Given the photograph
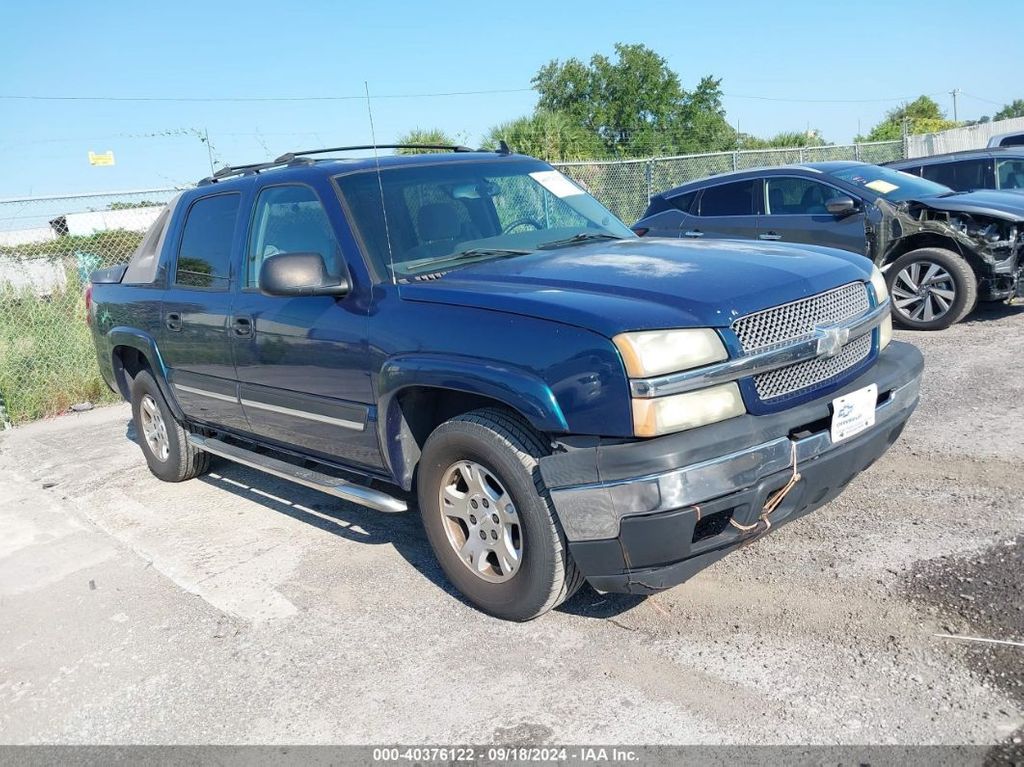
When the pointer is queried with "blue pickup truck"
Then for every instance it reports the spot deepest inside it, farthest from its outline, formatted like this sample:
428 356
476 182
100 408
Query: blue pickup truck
564 401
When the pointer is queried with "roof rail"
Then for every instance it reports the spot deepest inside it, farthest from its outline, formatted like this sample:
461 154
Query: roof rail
290 156
240 170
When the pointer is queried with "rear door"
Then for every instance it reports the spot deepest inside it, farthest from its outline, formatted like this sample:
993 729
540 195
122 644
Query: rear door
303 362
723 211
193 338
795 212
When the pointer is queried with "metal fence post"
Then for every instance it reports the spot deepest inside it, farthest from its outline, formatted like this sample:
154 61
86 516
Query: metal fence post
801 155
648 174
856 152
735 161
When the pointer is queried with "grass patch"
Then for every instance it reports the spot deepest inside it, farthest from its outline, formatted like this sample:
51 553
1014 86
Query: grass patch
47 357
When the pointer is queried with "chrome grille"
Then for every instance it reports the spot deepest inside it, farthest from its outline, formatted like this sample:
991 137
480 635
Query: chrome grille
816 372
793 321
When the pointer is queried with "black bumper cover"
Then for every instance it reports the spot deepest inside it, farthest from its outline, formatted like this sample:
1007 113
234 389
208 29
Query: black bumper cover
657 551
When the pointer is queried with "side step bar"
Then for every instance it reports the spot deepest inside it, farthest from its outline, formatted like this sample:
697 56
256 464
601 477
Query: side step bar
325 483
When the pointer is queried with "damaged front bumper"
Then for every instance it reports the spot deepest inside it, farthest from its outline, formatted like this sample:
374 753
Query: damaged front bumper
645 516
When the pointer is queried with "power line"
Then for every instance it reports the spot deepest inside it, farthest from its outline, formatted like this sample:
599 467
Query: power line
257 99
824 101
979 98
210 99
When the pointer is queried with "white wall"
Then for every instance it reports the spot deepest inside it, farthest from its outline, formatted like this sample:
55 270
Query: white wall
959 139
132 219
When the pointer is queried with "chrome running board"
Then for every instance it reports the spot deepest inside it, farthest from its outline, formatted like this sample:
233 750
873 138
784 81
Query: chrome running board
339 488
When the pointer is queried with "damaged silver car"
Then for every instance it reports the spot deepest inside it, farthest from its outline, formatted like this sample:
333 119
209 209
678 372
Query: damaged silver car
941 251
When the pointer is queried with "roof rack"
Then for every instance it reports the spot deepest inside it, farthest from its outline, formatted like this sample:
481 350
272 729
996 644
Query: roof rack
240 170
290 156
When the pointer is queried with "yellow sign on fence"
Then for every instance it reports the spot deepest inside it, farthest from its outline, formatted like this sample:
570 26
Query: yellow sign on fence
107 158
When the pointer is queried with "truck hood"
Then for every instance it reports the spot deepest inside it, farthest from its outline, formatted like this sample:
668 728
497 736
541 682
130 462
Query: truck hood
986 202
637 284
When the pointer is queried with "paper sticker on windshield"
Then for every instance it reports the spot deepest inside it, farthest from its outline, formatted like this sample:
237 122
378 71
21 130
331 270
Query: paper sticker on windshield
556 183
882 187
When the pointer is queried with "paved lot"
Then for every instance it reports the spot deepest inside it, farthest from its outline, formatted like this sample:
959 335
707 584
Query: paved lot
241 609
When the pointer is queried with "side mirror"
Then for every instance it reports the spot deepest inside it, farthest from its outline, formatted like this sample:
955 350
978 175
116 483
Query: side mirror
841 206
299 274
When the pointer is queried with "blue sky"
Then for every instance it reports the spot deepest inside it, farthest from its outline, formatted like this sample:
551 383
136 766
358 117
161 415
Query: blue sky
863 52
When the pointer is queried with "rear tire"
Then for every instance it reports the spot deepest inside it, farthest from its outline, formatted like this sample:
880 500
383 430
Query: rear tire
931 289
506 552
162 439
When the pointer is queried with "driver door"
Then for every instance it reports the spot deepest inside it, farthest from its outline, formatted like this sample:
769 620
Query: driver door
795 212
303 361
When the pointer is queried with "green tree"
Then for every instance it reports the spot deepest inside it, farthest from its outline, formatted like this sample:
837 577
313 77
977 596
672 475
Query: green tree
435 136
923 115
781 140
551 136
635 103
1014 109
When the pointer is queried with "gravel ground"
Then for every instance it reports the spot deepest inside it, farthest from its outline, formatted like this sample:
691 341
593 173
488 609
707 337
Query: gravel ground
240 609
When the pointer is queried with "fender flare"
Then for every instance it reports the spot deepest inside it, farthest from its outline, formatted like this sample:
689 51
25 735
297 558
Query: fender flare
146 345
524 392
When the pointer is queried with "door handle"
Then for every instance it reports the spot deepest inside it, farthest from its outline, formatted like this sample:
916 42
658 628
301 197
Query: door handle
173 321
693 233
243 326
769 236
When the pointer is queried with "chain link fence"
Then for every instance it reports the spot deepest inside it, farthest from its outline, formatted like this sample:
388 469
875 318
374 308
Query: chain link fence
49 246
625 186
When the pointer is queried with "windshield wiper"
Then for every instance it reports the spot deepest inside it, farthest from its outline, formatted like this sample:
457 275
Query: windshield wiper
462 255
578 238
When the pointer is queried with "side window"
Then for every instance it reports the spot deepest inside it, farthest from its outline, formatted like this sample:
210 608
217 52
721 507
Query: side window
683 202
204 257
736 199
289 219
1010 174
966 174
797 196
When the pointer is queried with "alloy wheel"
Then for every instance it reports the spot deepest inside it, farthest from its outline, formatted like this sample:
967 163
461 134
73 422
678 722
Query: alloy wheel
481 521
923 291
154 429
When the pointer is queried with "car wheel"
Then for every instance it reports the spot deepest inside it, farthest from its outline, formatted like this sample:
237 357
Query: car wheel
488 516
164 442
931 289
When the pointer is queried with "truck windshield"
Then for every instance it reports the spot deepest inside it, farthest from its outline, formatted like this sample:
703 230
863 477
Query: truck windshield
893 185
447 214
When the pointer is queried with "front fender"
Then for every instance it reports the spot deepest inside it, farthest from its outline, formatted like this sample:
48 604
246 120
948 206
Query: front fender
524 392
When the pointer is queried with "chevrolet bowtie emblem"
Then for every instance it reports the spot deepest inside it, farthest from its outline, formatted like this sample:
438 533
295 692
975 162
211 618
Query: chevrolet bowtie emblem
831 340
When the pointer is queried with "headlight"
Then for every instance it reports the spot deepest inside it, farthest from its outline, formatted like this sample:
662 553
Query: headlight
654 352
878 284
881 294
662 415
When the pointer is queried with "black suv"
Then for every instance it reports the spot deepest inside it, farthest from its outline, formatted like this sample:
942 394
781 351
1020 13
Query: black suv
995 168
941 251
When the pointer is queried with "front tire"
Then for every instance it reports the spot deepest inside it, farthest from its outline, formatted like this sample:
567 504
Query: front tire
488 517
162 439
931 289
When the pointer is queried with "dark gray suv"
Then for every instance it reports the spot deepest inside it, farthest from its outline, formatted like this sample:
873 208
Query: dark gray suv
941 251
995 168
